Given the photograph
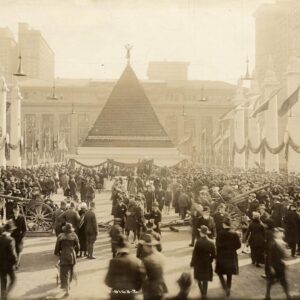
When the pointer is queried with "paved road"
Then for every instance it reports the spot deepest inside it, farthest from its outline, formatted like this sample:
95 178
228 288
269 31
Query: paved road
37 274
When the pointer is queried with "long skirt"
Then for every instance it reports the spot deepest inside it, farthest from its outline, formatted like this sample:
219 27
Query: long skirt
66 275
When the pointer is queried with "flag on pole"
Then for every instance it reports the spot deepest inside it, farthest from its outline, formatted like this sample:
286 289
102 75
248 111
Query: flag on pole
264 106
289 103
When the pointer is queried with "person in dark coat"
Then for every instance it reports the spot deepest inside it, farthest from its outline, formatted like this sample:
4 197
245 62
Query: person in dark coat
227 243
219 217
81 230
91 230
156 216
277 212
119 211
154 286
19 232
125 273
202 258
184 202
277 254
73 188
207 220
291 228
150 198
72 216
115 234
256 238
58 218
8 259
66 248
196 213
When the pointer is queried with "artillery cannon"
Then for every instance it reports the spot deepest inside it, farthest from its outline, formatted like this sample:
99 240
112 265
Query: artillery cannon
38 213
232 209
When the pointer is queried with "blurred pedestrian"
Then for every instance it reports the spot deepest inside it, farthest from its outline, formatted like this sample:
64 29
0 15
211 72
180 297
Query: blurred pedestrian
203 255
8 259
227 243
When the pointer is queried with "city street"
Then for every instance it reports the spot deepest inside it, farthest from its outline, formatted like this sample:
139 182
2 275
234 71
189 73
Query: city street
36 277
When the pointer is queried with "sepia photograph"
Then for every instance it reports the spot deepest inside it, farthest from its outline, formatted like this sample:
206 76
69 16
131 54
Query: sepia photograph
149 149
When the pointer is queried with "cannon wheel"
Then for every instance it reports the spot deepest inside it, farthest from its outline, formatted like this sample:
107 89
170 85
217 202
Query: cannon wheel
39 217
235 215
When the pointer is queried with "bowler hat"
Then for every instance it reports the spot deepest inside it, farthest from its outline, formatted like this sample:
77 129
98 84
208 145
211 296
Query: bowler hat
148 240
185 280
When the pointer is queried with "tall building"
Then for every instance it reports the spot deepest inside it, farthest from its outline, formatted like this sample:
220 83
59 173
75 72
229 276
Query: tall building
277 28
37 56
8 53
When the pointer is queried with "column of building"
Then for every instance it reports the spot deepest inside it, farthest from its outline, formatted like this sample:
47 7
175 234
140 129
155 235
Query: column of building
239 127
3 99
15 127
293 122
270 85
253 125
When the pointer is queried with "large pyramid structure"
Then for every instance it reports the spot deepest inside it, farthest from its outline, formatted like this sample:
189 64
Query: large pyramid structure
127 129
128 118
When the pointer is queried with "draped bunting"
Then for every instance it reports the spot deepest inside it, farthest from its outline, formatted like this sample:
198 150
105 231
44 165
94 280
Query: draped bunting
264 145
112 162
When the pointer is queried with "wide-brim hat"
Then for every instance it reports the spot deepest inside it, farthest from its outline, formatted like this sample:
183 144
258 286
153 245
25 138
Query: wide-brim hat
155 204
68 228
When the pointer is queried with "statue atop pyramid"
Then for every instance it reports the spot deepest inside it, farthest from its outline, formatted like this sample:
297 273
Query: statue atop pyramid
128 129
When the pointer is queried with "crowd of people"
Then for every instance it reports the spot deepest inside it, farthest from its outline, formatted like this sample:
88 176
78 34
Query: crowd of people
265 219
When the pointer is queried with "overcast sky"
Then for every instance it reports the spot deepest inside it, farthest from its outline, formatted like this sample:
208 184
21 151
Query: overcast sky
88 37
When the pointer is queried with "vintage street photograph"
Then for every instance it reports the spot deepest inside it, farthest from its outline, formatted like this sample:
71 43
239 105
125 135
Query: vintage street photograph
149 149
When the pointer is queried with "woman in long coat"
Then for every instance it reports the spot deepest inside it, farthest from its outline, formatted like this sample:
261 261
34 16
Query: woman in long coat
81 230
203 256
256 238
227 243
66 248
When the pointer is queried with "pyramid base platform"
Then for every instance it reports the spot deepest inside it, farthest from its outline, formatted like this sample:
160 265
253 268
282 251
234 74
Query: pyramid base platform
91 156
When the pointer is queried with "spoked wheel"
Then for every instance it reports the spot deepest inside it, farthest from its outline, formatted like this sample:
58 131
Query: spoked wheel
39 217
235 215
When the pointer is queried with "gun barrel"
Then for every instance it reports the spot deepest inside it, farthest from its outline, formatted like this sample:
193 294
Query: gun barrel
239 198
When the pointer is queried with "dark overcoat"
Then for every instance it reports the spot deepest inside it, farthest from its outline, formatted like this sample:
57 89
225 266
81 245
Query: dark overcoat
202 258
256 234
154 285
227 243
8 256
125 272
90 223
291 227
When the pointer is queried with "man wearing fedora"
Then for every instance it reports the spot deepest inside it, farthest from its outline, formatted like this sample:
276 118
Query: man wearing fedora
203 255
8 259
91 230
227 243
67 247
125 273
154 286
19 232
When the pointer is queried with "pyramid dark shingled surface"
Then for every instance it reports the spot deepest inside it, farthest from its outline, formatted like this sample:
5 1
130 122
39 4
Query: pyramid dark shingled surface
128 118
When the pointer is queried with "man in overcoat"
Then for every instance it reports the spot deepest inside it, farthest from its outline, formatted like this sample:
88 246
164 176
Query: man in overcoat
8 258
202 258
227 244
125 274
91 230
154 286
